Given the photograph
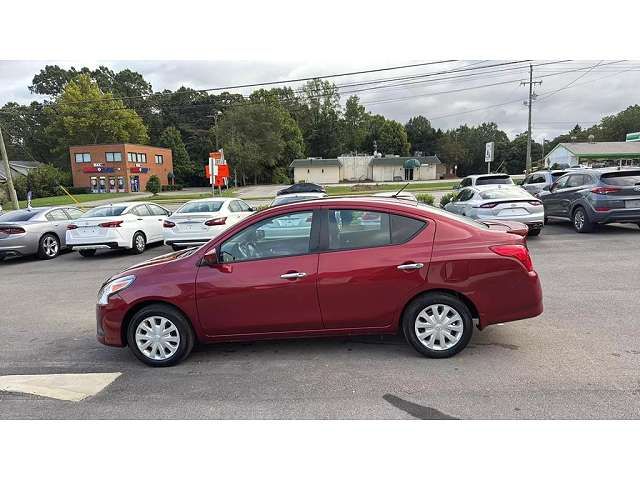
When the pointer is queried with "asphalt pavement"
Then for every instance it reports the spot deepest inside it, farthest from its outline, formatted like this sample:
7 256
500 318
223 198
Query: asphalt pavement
580 359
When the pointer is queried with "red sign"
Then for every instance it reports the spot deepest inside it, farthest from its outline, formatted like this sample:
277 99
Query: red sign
97 169
138 169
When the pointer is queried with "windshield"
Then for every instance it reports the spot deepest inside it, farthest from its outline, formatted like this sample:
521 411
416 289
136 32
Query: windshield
501 193
18 216
622 178
107 211
201 207
495 180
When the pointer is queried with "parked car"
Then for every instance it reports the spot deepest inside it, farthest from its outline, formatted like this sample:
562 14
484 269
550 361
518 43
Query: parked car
302 187
536 182
296 197
35 231
594 196
495 202
198 221
130 226
485 179
313 269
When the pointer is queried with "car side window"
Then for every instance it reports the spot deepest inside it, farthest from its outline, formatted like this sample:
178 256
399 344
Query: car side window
244 207
141 211
358 229
465 182
279 236
73 213
56 215
587 180
234 206
465 195
574 181
537 178
156 210
404 228
562 182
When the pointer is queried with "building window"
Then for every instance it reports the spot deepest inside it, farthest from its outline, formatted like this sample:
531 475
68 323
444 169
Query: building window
142 157
131 157
83 158
134 157
159 160
113 157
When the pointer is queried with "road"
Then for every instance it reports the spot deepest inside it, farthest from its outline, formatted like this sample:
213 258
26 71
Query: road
580 359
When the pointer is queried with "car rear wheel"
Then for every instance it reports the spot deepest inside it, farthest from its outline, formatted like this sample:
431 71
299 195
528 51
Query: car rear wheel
139 243
160 336
437 325
88 252
49 247
581 221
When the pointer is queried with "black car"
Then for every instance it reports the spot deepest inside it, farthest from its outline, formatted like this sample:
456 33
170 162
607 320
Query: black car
302 188
589 197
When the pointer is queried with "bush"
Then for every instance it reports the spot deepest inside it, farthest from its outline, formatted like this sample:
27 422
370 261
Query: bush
153 184
171 188
425 198
280 175
446 198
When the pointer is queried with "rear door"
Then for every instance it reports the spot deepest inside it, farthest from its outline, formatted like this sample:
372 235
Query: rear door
239 211
371 263
58 223
570 193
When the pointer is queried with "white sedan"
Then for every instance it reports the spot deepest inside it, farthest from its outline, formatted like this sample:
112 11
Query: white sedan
130 226
198 221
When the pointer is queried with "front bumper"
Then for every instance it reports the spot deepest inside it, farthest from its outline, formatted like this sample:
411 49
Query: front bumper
110 320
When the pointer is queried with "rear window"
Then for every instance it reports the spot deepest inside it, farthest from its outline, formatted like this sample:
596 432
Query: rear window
201 207
622 178
18 216
501 193
404 228
495 180
108 211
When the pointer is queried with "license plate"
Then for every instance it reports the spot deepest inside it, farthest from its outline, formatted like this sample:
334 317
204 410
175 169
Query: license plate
508 212
632 204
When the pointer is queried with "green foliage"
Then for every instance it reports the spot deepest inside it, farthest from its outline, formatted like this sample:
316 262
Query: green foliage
353 126
153 185
171 188
84 115
446 198
425 198
43 181
184 169
389 136
422 136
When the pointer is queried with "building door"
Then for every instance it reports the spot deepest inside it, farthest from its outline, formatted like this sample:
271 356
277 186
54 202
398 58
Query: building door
121 184
112 184
102 185
94 184
408 173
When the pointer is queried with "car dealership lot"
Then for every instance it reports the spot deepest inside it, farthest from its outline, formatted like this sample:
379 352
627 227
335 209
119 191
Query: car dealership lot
580 359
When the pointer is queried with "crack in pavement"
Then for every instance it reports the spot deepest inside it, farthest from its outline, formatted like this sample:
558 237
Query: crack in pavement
416 410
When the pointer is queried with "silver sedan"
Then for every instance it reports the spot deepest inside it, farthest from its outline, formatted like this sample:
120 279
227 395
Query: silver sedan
39 231
499 202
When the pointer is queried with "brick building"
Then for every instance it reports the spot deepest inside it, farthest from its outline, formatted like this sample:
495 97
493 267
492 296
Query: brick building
122 167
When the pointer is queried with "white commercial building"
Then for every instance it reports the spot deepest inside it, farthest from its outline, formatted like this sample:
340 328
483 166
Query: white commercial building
574 154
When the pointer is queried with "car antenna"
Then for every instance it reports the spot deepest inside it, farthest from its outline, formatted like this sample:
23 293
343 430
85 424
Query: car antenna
395 195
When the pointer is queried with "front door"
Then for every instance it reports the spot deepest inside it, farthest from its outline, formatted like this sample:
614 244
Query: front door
553 200
265 281
408 174
371 264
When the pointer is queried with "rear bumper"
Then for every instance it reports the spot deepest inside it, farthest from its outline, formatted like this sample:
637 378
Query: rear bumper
18 245
187 242
621 215
91 246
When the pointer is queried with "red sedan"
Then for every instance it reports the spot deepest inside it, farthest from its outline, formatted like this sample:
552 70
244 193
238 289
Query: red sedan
342 266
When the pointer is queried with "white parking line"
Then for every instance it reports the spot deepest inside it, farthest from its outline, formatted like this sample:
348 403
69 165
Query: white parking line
62 386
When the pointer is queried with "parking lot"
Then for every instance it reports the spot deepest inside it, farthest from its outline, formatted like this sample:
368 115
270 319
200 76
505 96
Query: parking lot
580 359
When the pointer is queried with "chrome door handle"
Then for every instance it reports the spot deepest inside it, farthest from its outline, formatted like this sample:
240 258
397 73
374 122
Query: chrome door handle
410 266
289 276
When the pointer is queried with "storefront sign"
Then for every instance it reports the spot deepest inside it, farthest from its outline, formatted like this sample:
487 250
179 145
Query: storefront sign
139 169
97 169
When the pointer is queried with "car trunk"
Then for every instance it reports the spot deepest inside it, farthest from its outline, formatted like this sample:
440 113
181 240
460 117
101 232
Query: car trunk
507 226
192 222
90 227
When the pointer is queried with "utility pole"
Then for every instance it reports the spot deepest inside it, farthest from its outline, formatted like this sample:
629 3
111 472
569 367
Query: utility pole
531 83
7 169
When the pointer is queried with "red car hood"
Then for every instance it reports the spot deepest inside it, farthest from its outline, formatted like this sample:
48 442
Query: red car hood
153 262
507 226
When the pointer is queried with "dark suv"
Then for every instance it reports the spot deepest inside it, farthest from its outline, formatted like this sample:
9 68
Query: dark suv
594 196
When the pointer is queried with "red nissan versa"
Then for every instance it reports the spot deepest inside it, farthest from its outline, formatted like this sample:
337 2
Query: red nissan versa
341 266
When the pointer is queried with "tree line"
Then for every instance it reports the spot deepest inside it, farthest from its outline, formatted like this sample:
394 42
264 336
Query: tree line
261 133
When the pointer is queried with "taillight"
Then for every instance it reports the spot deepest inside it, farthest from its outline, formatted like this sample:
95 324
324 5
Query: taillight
519 252
535 202
216 221
488 205
168 224
71 226
602 209
12 230
114 224
604 190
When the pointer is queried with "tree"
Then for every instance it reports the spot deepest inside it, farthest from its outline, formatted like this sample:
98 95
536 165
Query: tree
319 118
422 136
390 136
452 151
84 115
153 185
184 169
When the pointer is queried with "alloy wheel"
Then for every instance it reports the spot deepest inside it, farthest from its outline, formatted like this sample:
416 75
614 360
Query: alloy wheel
157 338
50 246
439 327
140 243
578 219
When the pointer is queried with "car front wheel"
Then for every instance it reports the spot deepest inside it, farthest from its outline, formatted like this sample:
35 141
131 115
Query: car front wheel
160 336
49 247
581 221
437 325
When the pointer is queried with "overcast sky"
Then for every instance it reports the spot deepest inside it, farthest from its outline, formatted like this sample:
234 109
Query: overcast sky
586 92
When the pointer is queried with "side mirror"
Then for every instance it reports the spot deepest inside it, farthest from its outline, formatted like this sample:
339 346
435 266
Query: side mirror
210 258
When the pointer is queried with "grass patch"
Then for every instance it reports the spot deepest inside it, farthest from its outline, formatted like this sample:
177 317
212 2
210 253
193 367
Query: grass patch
65 200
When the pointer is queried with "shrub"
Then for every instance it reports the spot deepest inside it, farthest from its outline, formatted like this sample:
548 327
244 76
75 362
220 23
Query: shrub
280 175
153 184
446 198
425 198
171 188
43 181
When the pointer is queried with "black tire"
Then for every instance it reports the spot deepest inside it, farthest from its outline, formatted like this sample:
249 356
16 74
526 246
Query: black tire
423 302
534 232
580 220
546 220
48 246
87 252
177 248
138 243
186 335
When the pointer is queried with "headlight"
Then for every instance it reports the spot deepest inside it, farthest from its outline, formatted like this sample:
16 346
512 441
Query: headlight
114 286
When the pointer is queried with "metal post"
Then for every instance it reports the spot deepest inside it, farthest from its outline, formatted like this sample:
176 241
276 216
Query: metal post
7 169
529 103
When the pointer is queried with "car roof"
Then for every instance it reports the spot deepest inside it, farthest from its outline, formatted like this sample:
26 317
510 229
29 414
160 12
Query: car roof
482 175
